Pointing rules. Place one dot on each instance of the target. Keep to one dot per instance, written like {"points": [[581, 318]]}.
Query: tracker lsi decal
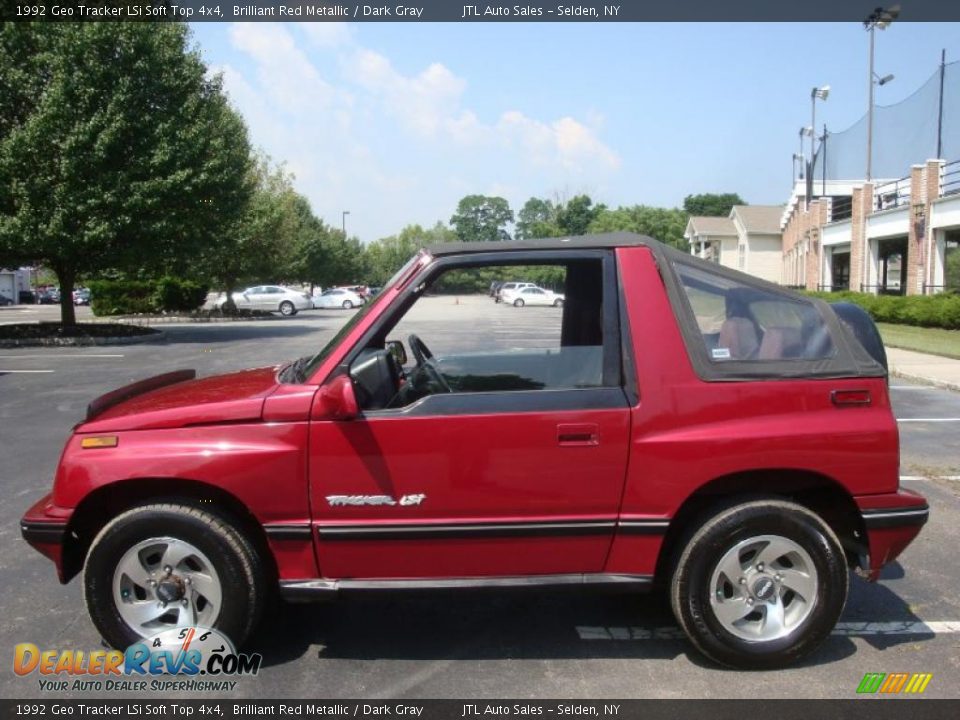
{"points": [[404, 501]]}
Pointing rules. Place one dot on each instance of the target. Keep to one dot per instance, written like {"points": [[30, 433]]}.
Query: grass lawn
{"points": [[928, 340]]}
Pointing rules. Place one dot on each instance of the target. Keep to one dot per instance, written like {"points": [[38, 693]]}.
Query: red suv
{"points": [[677, 424]]}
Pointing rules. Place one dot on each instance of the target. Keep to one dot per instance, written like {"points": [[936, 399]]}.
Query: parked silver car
{"points": [[272, 298]]}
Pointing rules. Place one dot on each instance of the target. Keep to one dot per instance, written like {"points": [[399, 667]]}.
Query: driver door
{"points": [[503, 482]]}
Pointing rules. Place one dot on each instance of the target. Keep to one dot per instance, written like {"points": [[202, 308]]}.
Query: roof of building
{"points": [[764, 219], [703, 225]]}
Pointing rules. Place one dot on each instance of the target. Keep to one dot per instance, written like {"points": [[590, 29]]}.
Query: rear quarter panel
{"points": [[687, 432]]}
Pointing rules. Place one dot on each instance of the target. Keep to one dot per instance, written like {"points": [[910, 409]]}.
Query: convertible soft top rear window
{"points": [[737, 327]]}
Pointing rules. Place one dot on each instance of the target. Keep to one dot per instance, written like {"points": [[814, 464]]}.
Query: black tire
{"points": [[347, 305], [558, 303], [690, 586], [518, 302], [241, 570], [287, 308]]}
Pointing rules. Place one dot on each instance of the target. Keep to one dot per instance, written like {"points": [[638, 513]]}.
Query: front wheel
{"points": [[760, 585], [558, 303], [158, 567]]}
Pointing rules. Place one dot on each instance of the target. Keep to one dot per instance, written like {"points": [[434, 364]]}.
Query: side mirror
{"points": [[337, 400], [395, 348]]}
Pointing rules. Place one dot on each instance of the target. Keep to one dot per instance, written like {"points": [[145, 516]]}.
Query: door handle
{"points": [[847, 398], [578, 434]]}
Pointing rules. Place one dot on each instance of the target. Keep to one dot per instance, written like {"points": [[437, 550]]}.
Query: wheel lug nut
{"points": [[184, 602], [759, 567], [743, 581], [187, 581], [167, 569], [749, 601], [152, 583]]}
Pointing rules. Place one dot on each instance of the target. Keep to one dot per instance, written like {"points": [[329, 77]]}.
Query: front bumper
{"points": [[891, 522], [44, 527]]}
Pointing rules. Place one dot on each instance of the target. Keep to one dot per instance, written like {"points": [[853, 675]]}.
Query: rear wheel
{"points": [[162, 566], [518, 302], [558, 303], [347, 305], [760, 584], [287, 308]]}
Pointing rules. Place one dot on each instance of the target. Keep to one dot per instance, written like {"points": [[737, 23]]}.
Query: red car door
{"points": [[451, 494], [485, 480]]}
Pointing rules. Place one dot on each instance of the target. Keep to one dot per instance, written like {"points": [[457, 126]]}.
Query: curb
{"points": [[156, 336], [944, 384]]}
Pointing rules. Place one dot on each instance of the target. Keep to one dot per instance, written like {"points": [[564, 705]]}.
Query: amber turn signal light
{"points": [[99, 441]]}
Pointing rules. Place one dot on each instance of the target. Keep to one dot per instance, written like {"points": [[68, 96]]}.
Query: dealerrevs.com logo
{"points": [[179, 659]]}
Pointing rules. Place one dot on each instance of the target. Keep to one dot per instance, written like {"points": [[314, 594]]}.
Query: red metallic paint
{"points": [[476, 468], [274, 448], [236, 397]]}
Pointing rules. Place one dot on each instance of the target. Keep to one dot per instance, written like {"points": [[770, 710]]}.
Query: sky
{"points": [[395, 122]]}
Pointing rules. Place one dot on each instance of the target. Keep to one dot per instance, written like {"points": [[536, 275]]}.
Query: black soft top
{"points": [[571, 242]]}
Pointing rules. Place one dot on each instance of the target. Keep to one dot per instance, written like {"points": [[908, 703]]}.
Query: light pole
{"points": [[343, 219], [804, 131], [878, 19], [815, 94], [798, 161]]}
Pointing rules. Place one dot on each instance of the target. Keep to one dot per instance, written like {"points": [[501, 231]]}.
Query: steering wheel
{"points": [[422, 355], [421, 352]]}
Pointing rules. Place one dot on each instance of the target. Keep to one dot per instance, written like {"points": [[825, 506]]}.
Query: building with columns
{"points": [[890, 236]]}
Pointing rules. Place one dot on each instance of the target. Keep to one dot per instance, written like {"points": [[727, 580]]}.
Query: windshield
{"points": [[306, 366]]}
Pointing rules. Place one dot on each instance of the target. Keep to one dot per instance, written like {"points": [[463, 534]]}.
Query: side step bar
{"points": [[306, 590]]}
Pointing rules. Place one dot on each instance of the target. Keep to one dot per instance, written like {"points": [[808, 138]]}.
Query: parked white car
{"points": [[531, 295], [510, 287], [272, 298], [337, 298]]}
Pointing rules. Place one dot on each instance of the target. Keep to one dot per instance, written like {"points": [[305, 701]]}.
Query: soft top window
{"points": [[738, 321]]}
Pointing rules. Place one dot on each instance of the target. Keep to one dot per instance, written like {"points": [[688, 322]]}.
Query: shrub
{"points": [[127, 297], [941, 310], [175, 295], [122, 297]]}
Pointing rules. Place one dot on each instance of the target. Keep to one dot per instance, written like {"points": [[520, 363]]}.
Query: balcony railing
{"points": [[892, 194], [841, 208], [950, 178]]}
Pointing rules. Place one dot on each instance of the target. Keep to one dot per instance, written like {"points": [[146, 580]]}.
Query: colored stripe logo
{"points": [[893, 683]]}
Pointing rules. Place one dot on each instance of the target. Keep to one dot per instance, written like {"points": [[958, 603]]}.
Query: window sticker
{"points": [[720, 353]]}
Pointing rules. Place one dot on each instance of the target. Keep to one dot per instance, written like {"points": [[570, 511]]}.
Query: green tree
{"points": [[663, 224], [260, 246], [537, 219], [482, 218], [387, 255], [116, 149], [711, 204], [575, 217]]}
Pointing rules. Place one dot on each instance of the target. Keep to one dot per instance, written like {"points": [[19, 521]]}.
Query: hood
{"points": [[235, 397]]}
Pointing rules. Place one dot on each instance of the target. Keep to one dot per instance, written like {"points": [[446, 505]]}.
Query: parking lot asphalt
{"points": [[575, 644]]}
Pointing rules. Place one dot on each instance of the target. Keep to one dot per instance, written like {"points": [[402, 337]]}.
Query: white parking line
{"points": [[917, 478], [52, 355], [913, 387], [26, 371], [845, 629], [929, 420]]}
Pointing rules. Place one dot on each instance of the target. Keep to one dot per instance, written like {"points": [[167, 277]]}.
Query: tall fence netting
{"points": [[904, 134]]}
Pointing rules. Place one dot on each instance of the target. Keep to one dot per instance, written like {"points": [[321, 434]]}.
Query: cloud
{"points": [[285, 74], [394, 147], [328, 34]]}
